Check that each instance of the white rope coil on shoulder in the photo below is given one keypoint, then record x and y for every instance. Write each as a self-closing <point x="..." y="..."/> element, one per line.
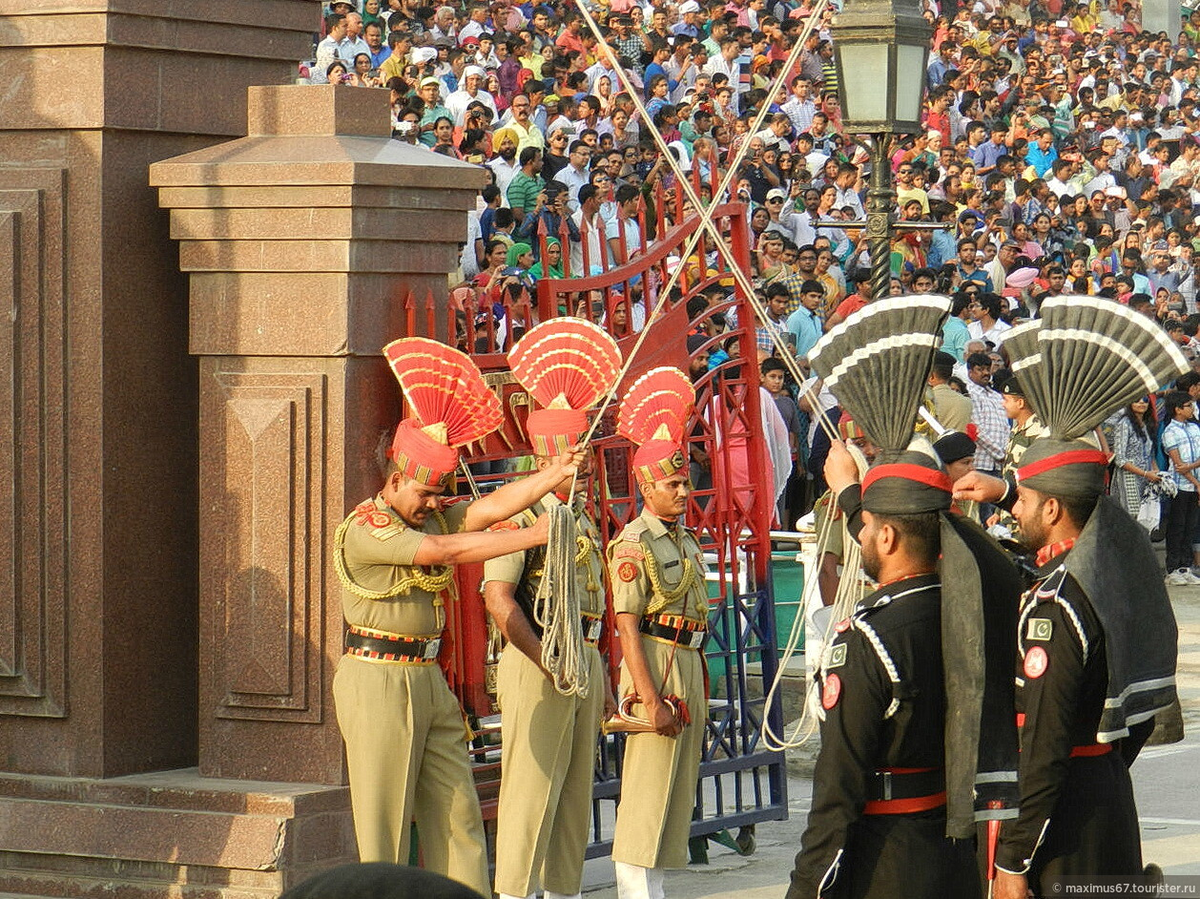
<point x="558" y="610"/>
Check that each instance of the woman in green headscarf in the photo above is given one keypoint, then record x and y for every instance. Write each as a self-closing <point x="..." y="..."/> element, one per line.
<point x="552" y="259"/>
<point x="520" y="255"/>
<point x="370" y="15"/>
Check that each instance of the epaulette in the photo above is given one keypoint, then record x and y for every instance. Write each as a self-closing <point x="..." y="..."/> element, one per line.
<point x="523" y="519"/>
<point x="388" y="532"/>
<point x="1050" y="590"/>
<point x="633" y="531"/>
<point x="379" y="524"/>
<point x="827" y="502"/>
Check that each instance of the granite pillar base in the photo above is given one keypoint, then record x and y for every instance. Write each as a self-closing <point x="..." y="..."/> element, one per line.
<point x="168" y="834"/>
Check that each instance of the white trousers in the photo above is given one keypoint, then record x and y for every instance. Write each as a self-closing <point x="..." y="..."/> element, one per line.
<point x="636" y="882"/>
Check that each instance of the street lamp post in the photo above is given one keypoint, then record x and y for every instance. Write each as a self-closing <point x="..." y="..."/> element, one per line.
<point x="880" y="201"/>
<point x="881" y="48"/>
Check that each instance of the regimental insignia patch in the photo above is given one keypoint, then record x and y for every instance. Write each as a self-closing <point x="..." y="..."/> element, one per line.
<point x="832" y="692"/>
<point x="1036" y="662"/>
<point x="627" y="572"/>
<point x="369" y="515"/>
<point x="628" y="551"/>
<point x="837" y="656"/>
<point x="1039" y="629"/>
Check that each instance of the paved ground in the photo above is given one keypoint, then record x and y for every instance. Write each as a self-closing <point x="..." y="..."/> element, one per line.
<point x="1166" y="780"/>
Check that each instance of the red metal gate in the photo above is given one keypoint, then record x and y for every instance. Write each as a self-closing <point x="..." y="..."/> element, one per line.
<point x="741" y="782"/>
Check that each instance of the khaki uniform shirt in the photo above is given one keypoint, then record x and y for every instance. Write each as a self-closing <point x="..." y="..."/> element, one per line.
<point x="826" y="510"/>
<point x="951" y="408"/>
<point x="650" y="549"/>
<point x="379" y="552"/>
<point x="1019" y="440"/>
<point x="589" y="575"/>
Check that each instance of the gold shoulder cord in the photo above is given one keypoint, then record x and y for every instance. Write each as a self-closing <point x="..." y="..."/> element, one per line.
<point x="584" y="546"/>
<point x="667" y="597"/>
<point x="439" y="578"/>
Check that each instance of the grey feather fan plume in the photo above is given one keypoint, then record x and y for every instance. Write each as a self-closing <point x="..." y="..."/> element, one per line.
<point x="1025" y="360"/>
<point x="877" y="363"/>
<point x="1092" y="356"/>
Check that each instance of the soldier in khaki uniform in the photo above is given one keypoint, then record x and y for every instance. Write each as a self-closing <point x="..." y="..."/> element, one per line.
<point x="1026" y="428"/>
<point x="404" y="730"/>
<point x="951" y="408"/>
<point x="548" y="735"/>
<point x="661" y="603"/>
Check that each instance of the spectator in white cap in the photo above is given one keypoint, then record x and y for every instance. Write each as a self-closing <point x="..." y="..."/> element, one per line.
<point x="790" y="224"/>
<point x="688" y="11"/>
<point x="470" y="89"/>
<point x="430" y="93"/>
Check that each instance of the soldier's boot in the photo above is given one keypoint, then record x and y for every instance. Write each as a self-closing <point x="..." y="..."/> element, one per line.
<point x="550" y="894"/>
<point x="636" y="882"/>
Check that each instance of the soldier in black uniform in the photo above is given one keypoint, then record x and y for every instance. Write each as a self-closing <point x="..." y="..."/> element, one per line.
<point x="1077" y="813"/>
<point x="923" y="665"/>
<point x="1096" y="635"/>
<point x="878" y="824"/>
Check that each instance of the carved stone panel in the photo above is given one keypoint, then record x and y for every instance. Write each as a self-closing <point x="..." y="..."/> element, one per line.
<point x="33" y="560"/>
<point x="260" y="572"/>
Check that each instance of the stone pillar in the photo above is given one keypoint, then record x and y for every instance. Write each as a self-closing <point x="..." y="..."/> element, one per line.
<point x="98" y="448"/>
<point x="304" y="241"/>
<point x="99" y="461"/>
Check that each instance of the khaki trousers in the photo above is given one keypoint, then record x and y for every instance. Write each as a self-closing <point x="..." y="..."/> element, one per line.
<point x="548" y="767"/>
<point x="406" y="752"/>
<point x="658" y="776"/>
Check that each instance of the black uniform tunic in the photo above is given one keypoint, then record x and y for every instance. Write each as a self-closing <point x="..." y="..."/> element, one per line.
<point x="1077" y="811"/>
<point x="885" y="706"/>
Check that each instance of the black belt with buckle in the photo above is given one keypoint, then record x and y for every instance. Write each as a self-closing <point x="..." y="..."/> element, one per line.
<point x="904" y="783"/>
<point x="592" y="629"/>
<point x="688" y="639"/>
<point x="389" y="649"/>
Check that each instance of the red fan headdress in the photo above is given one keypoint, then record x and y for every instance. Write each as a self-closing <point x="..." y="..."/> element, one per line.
<point x="567" y="365"/>
<point x="654" y="414"/>
<point x="450" y="403"/>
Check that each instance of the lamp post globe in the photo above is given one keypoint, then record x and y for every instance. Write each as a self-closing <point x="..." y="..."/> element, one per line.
<point x="881" y="50"/>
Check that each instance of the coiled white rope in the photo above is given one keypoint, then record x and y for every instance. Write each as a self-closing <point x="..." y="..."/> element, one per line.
<point x="849" y="592"/>
<point x="557" y="608"/>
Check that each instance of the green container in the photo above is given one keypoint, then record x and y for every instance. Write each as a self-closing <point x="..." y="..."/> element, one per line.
<point x="787" y="579"/>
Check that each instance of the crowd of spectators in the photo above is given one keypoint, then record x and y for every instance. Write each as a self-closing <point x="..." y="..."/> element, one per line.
<point x="1060" y="154"/>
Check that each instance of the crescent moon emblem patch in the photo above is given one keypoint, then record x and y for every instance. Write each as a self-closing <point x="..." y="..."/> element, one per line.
<point x="832" y="692"/>
<point x="1036" y="662"/>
